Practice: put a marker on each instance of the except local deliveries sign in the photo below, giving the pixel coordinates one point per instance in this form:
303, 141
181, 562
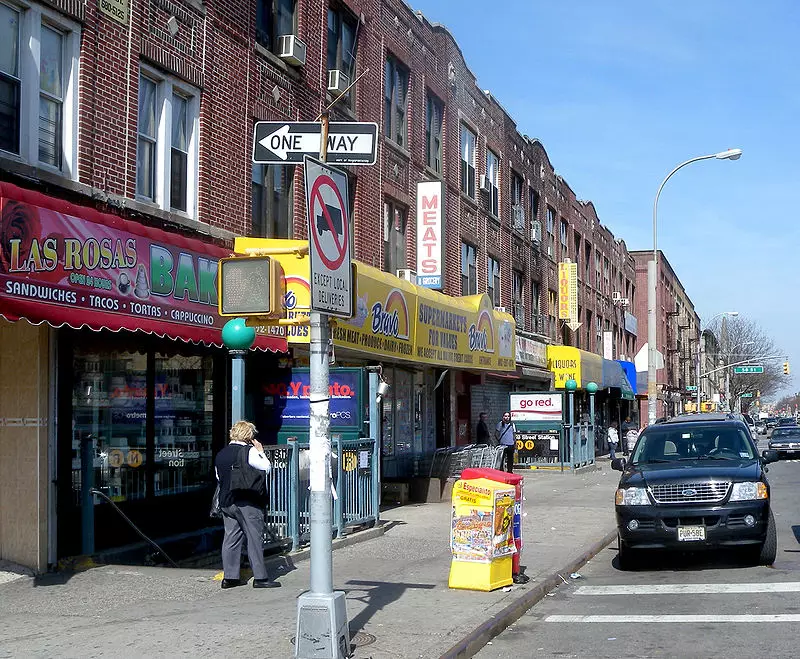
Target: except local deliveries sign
536, 407
290, 400
349, 143
329, 239
430, 211
57, 259
568, 291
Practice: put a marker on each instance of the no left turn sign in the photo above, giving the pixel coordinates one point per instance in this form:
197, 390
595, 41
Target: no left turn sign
328, 217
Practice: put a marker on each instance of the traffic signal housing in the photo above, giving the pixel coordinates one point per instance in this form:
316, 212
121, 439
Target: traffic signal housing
786, 368
251, 286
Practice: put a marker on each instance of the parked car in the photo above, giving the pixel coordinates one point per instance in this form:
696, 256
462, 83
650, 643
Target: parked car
761, 427
696, 484
785, 441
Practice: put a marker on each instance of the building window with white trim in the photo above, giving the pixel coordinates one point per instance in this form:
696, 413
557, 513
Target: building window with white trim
394, 237
493, 176
39, 61
396, 97
467, 161
272, 190
433, 133
167, 143
493, 281
275, 18
469, 280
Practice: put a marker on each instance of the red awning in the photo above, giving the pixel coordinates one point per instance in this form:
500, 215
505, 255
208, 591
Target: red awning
65, 264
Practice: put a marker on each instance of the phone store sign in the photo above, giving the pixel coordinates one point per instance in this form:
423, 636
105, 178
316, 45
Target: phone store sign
536, 407
291, 398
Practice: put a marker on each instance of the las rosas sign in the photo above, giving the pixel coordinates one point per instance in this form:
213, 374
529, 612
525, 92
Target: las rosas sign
329, 239
281, 143
430, 211
536, 407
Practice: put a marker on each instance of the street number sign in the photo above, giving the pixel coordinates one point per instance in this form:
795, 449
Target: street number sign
691, 387
328, 215
287, 142
750, 395
748, 369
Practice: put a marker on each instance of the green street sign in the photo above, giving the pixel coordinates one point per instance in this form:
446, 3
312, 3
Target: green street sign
748, 369
746, 395
691, 387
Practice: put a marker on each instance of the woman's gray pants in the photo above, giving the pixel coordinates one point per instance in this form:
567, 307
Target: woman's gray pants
243, 521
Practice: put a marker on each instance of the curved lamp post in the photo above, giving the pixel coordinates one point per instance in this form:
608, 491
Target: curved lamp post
699, 342
652, 279
238, 339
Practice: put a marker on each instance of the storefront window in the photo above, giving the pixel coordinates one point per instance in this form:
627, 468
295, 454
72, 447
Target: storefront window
109, 409
184, 406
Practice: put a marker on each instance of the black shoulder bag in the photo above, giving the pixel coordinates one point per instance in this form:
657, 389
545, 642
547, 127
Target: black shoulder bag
245, 477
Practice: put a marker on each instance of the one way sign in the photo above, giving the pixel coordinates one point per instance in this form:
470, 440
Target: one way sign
281, 143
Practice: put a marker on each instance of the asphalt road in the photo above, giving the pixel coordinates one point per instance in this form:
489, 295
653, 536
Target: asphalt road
685, 605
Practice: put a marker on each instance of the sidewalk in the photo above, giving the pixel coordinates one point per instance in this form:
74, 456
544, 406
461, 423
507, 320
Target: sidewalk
396, 584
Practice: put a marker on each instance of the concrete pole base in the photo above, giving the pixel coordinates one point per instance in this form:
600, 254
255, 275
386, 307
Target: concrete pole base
323, 630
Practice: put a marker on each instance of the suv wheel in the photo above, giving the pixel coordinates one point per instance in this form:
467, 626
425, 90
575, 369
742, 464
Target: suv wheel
628, 558
766, 553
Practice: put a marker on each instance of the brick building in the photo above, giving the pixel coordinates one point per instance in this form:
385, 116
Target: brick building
677, 331
144, 133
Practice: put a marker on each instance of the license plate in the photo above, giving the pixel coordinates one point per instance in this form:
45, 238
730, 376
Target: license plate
691, 533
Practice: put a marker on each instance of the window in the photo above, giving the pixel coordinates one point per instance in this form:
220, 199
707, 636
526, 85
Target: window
433, 133
493, 281
597, 278
274, 18
394, 237
468, 140
535, 302
38, 87
605, 276
598, 330
518, 298
493, 176
167, 139
588, 264
589, 330
534, 202
272, 201
469, 280
552, 309
577, 252
519, 220
396, 97
551, 227
342, 45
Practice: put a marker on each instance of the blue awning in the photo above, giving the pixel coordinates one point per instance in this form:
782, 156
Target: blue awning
630, 372
614, 377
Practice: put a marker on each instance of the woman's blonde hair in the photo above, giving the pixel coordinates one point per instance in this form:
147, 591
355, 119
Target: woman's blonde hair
242, 431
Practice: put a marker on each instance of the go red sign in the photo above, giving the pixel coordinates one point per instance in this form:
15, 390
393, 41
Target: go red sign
536, 407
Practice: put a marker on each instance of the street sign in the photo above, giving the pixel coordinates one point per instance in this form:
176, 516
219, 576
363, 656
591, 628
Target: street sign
329, 239
750, 395
748, 369
691, 387
288, 142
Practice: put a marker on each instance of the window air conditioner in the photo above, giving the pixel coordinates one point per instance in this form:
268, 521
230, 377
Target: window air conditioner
625, 302
518, 213
408, 275
536, 231
616, 296
338, 81
291, 50
486, 184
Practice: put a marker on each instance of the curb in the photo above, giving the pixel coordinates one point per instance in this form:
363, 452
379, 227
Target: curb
487, 630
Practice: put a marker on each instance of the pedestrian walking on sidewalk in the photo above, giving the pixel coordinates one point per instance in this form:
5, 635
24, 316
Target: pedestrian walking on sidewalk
482, 433
630, 432
504, 434
613, 440
241, 469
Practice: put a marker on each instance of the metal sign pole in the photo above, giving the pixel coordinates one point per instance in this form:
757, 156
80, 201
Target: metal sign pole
322, 625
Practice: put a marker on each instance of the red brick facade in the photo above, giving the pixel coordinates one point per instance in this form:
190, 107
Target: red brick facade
239, 82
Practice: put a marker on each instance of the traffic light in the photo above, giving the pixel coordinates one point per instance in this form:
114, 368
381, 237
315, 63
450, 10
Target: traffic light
786, 368
250, 286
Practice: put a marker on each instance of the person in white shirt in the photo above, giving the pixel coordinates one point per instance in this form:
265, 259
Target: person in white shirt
243, 459
613, 440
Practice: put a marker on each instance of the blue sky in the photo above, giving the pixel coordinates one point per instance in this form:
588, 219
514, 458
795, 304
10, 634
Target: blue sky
621, 91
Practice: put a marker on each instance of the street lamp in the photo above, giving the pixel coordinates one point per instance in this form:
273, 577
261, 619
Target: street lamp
699, 343
652, 279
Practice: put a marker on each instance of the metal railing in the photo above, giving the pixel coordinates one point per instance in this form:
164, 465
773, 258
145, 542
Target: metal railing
451, 461
356, 486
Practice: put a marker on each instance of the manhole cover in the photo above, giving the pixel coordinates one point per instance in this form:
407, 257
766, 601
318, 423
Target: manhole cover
358, 640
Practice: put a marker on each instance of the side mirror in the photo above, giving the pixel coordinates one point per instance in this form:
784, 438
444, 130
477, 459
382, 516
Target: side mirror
618, 464
770, 456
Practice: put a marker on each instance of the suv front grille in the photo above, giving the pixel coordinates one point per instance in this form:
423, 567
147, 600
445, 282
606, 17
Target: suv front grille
707, 492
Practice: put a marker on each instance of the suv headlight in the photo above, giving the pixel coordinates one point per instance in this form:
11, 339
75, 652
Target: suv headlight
748, 491
632, 496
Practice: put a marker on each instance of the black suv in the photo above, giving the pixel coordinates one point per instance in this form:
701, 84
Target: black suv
695, 484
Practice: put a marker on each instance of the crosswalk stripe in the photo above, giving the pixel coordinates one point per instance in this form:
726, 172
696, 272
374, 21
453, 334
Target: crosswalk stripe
690, 589
778, 617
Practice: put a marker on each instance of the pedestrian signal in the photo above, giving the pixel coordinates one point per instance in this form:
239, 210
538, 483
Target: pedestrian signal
251, 286
786, 368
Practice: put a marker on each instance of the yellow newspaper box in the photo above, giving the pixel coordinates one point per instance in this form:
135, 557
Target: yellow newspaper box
481, 535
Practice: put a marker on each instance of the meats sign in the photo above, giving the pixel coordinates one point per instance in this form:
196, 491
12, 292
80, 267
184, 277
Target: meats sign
537, 407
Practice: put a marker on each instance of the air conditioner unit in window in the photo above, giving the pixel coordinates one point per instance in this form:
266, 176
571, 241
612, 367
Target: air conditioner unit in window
518, 213
486, 184
291, 50
616, 296
338, 81
408, 275
625, 302
536, 231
